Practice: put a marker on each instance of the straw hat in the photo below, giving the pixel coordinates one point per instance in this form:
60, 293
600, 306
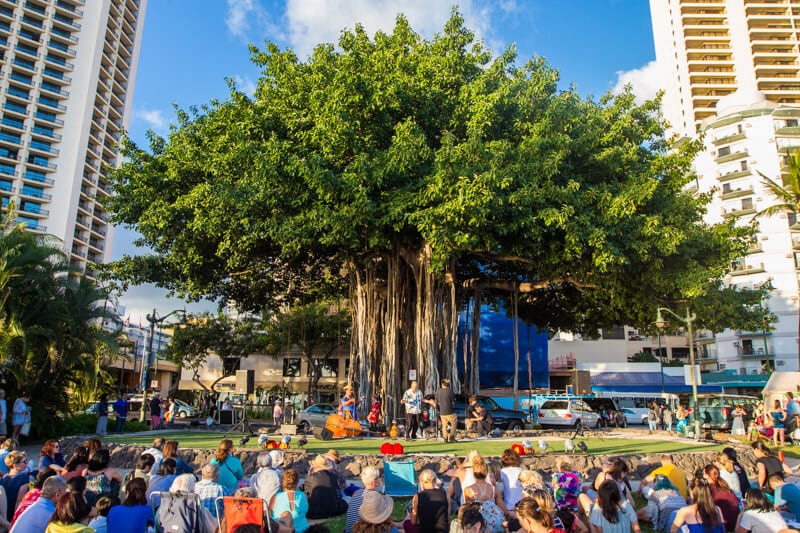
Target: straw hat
321, 463
277, 457
333, 455
376, 508
348, 387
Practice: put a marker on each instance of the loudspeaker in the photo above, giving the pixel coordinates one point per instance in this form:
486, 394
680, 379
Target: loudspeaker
245, 381
325, 434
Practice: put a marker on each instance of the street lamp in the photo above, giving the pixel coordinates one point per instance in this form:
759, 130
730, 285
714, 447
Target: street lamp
151, 355
688, 320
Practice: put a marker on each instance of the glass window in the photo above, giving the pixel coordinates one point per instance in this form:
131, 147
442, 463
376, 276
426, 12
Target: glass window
291, 367
330, 367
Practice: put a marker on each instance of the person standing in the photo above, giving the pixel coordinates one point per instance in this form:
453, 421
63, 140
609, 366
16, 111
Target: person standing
792, 414
102, 415
446, 401
778, 424
347, 404
155, 410
412, 399
667, 413
22, 415
737, 427
121, 408
277, 413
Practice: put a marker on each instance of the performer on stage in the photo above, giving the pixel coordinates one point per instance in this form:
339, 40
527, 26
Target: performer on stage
446, 401
347, 404
412, 399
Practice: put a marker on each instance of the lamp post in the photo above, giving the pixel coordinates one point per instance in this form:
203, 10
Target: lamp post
661, 361
151, 355
688, 320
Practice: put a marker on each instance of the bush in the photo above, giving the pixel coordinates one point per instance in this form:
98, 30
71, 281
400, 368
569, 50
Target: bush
77, 424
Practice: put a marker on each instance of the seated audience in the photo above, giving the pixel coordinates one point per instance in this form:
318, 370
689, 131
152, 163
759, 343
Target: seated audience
103, 506
142, 469
170, 451
369, 477
759, 516
322, 490
291, 501
36, 517
724, 498
375, 515
702, 516
430, 510
787, 495
161, 482
15, 483
71, 511
101, 480
613, 513
50, 456
208, 488
76, 464
134, 515
230, 467
34, 492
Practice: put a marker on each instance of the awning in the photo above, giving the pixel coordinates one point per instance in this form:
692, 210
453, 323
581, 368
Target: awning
644, 382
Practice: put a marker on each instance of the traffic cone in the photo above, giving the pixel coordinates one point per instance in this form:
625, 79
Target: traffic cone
780, 456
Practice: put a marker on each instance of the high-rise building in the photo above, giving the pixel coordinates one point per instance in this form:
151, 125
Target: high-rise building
66, 88
707, 49
731, 71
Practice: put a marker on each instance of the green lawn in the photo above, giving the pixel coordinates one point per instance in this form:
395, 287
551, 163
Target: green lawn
610, 446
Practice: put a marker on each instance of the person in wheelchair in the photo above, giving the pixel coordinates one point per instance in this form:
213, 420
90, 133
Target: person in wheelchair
478, 417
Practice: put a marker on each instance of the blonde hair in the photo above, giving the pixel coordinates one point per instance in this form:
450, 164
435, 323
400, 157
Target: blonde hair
428, 476
531, 478
564, 464
479, 467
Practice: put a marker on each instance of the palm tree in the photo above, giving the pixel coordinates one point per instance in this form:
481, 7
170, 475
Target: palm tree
787, 197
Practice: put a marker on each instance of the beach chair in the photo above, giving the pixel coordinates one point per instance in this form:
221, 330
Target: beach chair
239, 511
399, 478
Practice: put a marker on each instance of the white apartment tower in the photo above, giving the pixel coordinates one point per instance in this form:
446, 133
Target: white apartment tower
731, 71
66, 88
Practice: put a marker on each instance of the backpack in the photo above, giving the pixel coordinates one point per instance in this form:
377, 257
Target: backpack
179, 513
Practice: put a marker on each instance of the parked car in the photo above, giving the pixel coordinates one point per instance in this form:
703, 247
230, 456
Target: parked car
615, 417
566, 414
185, 410
505, 419
633, 417
314, 416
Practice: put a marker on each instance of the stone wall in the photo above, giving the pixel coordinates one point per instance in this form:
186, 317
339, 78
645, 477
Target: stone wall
124, 456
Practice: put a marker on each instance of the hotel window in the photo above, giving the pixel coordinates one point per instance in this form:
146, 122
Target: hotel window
291, 367
330, 367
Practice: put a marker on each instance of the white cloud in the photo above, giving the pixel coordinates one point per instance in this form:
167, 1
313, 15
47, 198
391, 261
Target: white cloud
311, 22
240, 15
154, 118
245, 84
644, 81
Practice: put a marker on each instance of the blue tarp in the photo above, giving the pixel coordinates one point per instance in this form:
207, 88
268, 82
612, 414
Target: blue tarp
644, 382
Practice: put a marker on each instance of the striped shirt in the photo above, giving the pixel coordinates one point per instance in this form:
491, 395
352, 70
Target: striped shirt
353, 509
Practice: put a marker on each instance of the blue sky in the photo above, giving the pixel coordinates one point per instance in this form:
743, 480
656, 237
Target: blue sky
190, 47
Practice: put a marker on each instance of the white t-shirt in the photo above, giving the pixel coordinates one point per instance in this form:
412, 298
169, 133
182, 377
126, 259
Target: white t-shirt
512, 490
762, 522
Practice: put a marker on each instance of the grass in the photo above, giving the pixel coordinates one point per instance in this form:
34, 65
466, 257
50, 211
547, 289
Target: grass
491, 447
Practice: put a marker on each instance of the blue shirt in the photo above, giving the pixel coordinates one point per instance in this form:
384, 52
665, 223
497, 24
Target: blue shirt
129, 519
35, 518
298, 513
788, 495
121, 407
230, 472
792, 408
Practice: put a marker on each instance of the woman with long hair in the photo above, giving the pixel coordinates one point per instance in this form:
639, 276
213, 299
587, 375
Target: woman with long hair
723, 496
727, 472
101, 480
230, 467
702, 516
778, 415
562, 518
759, 515
50, 457
70, 514
768, 465
612, 513
76, 464
535, 519
566, 484
170, 451
134, 514
509, 475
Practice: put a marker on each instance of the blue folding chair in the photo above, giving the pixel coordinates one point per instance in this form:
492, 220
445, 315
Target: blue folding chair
399, 478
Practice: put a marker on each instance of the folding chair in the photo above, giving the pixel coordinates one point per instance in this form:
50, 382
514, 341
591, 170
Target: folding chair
399, 478
180, 511
240, 511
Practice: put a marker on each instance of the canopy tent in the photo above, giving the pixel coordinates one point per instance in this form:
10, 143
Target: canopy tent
779, 384
644, 382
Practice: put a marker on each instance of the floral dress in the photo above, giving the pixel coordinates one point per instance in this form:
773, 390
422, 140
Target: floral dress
374, 413
566, 488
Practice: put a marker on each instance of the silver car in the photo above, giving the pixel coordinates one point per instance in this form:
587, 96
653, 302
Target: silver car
566, 414
314, 416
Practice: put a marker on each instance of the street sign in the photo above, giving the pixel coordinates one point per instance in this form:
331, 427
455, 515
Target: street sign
154, 384
412, 375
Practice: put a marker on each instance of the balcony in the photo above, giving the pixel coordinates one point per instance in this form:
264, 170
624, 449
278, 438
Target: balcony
728, 139
731, 157
789, 131
33, 209
744, 270
735, 193
38, 177
35, 193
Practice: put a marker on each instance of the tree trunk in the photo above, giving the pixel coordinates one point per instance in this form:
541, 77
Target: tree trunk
475, 379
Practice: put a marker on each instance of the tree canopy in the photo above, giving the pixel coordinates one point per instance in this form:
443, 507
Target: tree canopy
410, 174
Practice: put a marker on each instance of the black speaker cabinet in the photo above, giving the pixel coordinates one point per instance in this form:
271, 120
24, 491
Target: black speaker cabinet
245, 381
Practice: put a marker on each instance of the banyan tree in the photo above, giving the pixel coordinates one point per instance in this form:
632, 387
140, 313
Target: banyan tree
413, 176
